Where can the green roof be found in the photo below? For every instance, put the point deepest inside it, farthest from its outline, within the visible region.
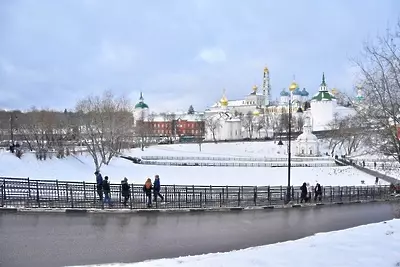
(323, 96)
(141, 105)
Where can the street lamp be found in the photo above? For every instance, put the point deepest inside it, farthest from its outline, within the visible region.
(293, 86)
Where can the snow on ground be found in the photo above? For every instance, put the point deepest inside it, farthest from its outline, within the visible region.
(81, 168)
(240, 149)
(364, 246)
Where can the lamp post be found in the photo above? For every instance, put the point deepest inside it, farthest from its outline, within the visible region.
(293, 86)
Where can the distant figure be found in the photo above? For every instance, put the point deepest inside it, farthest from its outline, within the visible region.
(147, 190)
(363, 163)
(303, 195)
(99, 184)
(376, 180)
(318, 192)
(309, 192)
(125, 190)
(157, 188)
(107, 191)
(375, 164)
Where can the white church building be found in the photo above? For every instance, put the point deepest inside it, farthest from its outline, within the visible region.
(321, 107)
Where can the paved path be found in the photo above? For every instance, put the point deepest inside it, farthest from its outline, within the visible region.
(77, 239)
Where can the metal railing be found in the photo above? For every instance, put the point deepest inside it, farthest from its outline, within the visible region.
(238, 164)
(25, 192)
(242, 159)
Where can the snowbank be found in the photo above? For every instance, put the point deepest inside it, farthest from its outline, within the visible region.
(364, 246)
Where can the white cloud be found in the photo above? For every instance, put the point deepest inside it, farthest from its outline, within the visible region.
(212, 55)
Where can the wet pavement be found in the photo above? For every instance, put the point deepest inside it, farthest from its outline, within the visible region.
(49, 239)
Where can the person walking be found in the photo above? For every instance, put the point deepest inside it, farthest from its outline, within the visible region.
(318, 192)
(125, 190)
(99, 184)
(107, 191)
(147, 190)
(157, 188)
(303, 196)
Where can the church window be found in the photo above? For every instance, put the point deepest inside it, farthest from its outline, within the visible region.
(310, 151)
(302, 151)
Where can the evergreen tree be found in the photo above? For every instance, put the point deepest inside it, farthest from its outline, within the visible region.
(191, 110)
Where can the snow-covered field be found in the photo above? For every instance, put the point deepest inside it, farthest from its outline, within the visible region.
(240, 149)
(81, 168)
(364, 246)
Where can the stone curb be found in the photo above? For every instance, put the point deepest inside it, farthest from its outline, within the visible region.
(186, 210)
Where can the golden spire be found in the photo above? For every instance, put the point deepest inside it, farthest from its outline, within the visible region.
(266, 70)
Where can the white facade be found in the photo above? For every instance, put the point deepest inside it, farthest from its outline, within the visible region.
(223, 126)
(307, 143)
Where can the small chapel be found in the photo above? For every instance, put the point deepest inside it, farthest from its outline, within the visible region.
(307, 143)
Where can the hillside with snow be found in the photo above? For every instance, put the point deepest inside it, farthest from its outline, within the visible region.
(81, 167)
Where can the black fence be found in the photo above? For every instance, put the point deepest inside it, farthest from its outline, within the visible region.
(24, 192)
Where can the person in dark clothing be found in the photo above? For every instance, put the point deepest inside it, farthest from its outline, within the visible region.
(363, 163)
(318, 192)
(157, 188)
(99, 184)
(107, 190)
(304, 193)
(147, 187)
(125, 190)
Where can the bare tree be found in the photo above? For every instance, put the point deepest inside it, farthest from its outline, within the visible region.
(347, 133)
(379, 110)
(212, 125)
(249, 123)
(106, 121)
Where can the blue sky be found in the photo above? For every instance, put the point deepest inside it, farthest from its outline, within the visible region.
(178, 52)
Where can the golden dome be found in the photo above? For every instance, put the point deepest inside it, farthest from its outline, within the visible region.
(266, 70)
(334, 91)
(224, 101)
(256, 112)
(293, 86)
(255, 88)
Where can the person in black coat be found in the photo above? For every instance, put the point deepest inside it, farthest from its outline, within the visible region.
(157, 188)
(125, 190)
(304, 193)
(318, 192)
(107, 190)
(99, 184)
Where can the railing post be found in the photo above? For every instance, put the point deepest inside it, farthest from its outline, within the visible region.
(239, 198)
(193, 195)
(350, 193)
(220, 199)
(29, 187)
(179, 199)
(227, 194)
(4, 189)
(84, 192)
(205, 197)
(94, 194)
(223, 195)
(66, 191)
(58, 191)
(255, 196)
(269, 195)
(201, 193)
(132, 196)
(358, 194)
(186, 194)
(72, 198)
(37, 193)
